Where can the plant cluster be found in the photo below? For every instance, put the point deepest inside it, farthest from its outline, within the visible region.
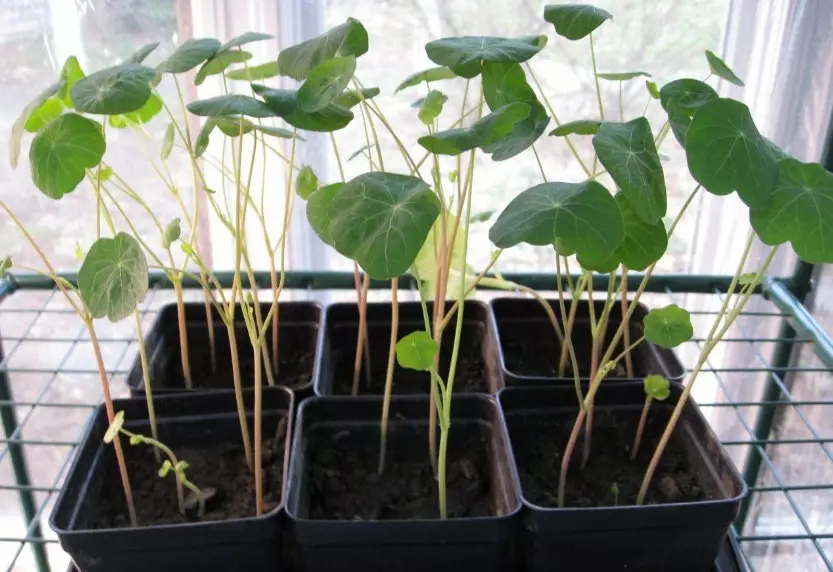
(418, 222)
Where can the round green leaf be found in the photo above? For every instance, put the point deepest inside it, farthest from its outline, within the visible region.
(657, 387)
(668, 327)
(416, 351)
(347, 39)
(429, 75)
(575, 21)
(219, 63)
(352, 97)
(62, 152)
(747, 278)
(580, 127)
(644, 243)
(114, 277)
(726, 153)
(652, 88)
(71, 73)
(168, 141)
(306, 183)
(172, 233)
(622, 76)
(114, 428)
(230, 104)
(318, 211)
(284, 104)
(481, 133)
(628, 153)
(681, 99)
(800, 211)
(719, 68)
(325, 82)
(432, 106)
(243, 39)
(119, 89)
(464, 55)
(584, 217)
(148, 111)
(20, 123)
(381, 220)
(263, 71)
(49, 110)
(189, 55)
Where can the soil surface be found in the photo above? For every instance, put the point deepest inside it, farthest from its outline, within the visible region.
(344, 483)
(531, 349)
(296, 355)
(538, 442)
(470, 376)
(222, 467)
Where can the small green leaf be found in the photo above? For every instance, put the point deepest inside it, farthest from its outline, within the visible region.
(429, 75)
(230, 104)
(105, 173)
(628, 153)
(432, 106)
(483, 216)
(352, 97)
(172, 233)
(284, 104)
(575, 21)
(644, 243)
(142, 53)
(325, 82)
(580, 127)
(668, 327)
(361, 150)
(6, 264)
(71, 73)
(234, 126)
(306, 183)
(584, 217)
(481, 133)
(219, 63)
(168, 141)
(79, 252)
(243, 39)
(62, 152)
(189, 55)
(800, 211)
(652, 88)
(464, 55)
(136, 439)
(253, 73)
(726, 153)
(165, 469)
(657, 387)
(204, 137)
(118, 89)
(20, 123)
(747, 278)
(681, 99)
(114, 277)
(148, 111)
(49, 110)
(719, 68)
(622, 76)
(347, 39)
(114, 428)
(416, 351)
(318, 211)
(417, 103)
(279, 132)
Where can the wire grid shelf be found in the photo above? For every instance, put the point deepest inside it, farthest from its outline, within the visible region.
(767, 391)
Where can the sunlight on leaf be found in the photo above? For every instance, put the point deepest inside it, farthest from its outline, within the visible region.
(71, 74)
(20, 123)
(48, 111)
(148, 111)
(668, 327)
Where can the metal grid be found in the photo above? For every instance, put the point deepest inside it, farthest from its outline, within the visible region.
(768, 391)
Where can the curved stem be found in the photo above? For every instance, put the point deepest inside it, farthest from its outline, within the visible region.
(571, 318)
(183, 335)
(258, 414)
(568, 340)
(394, 330)
(627, 329)
(598, 93)
(640, 429)
(362, 342)
(143, 356)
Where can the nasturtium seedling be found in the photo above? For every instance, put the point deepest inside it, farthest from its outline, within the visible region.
(325, 83)
(114, 277)
(254, 73)
(118, 89)
(622, 76)
(114, 428)
(481, 133)
(465, 55)
(719, 68)
(172, 233)
(668, 327)
(306, 183)
(230, 104)
(189, 55)
(347, 39)
(416, 351)
(579, 127)
(575, 21)
(657, 387)
(284, 104)
(71, 73)
(63, 151)
(431, 107)
(427, 76)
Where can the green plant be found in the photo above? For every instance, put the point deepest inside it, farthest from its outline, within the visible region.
(656, 387)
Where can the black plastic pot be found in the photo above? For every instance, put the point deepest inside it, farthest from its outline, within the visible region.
(299, 333)
(683, 536)
(251, 544)
(529, 351)
(478, 370)
(482, 543)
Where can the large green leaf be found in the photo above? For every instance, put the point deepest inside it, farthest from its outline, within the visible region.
(416, 351)
(681, 99)
(20, 123)
(62, 152)
(253, 73)
(318, 211)
(230, 104)
(575, 21)
(583, 217)
(71, 73)
(118, 89)
(325, 83)
(381, 220)
(579, 127)
(48, 111)
(219, 63)
(800, 211)
(189, 55)
(432, 106)
(142, 53)
(726, 153)
(353, 97)
(505, 83)
(644, 243)
(721, 70)
(481, 133)
(284, 104)
(114, 277)
(148, 111)
(243, 39)
(622, 76)
(347, 39)
(628, 153)
(464, 55)
(668, 327)
(429, 75)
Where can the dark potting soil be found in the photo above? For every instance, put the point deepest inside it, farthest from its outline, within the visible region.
(538, 443)
(222, 467)
(470, 376)
(296, 355)
(343, 482)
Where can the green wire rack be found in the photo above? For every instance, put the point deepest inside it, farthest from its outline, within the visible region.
(766, 414)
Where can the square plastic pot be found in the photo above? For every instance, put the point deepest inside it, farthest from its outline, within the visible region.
(251, 544)
(683, 537)
(478, 369)
(299, 332)
(477, 543)
(529, 351)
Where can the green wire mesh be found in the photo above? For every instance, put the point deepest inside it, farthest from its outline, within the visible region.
(768, 393)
